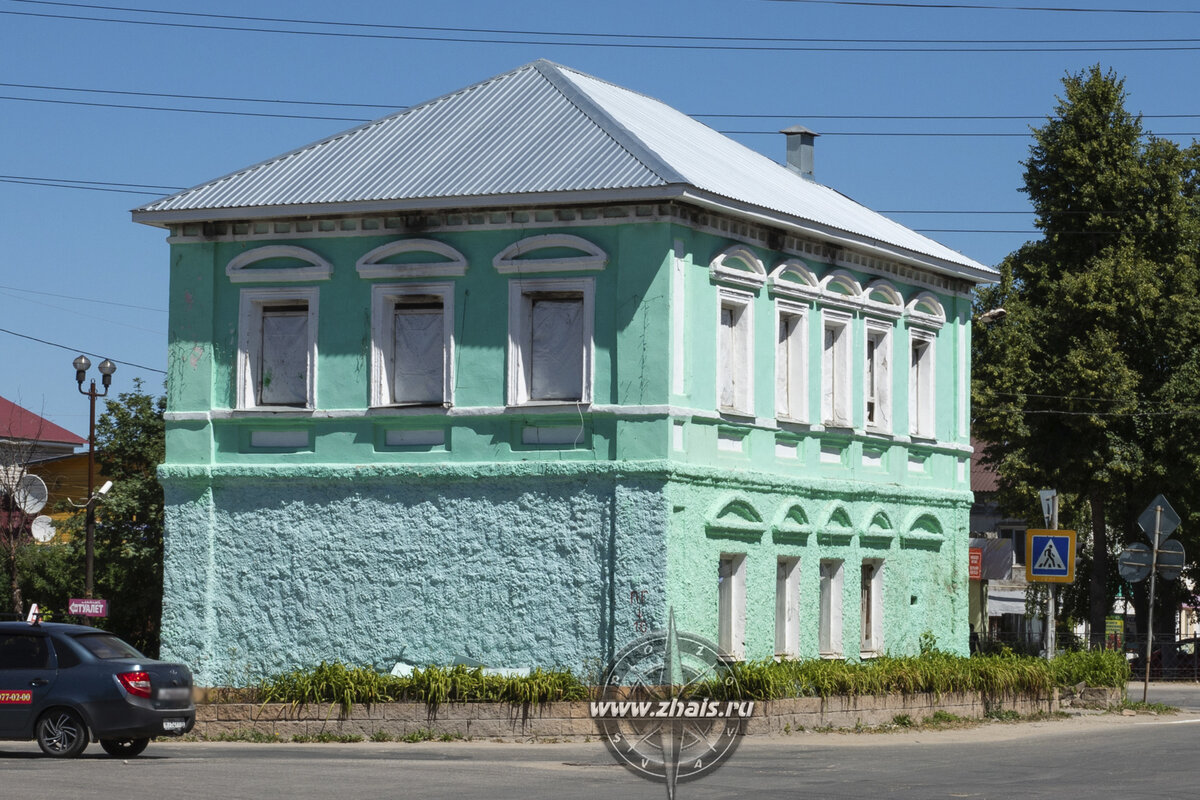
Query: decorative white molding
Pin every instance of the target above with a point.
(891, 307)
(721, 269)
(238, 270)
(794, 279)
(927, 311)
(509, 261)
(372, 265)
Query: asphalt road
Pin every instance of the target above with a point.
(1097, 756)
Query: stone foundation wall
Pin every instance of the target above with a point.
(572, 721)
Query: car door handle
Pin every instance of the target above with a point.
(38, 682)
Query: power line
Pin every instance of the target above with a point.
(979, 7)
(180, 110)
(224, 112)
(849, 47)
(587, 34)
(97, 183)
(84, 299)
(78, 350)
(392, 107)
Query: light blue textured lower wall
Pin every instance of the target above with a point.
(266, 570)
(918, 535)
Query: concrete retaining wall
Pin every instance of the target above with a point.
(571, 721)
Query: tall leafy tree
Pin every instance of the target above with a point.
(1088, 383)
(130, 444)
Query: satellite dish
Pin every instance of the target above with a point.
(31, 494)
(42, 529)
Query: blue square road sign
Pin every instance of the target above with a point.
(1050, 556)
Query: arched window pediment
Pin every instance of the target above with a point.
(403, 259)
(278, 263)
(925, 309)
(794, 278)
(736, 517)
(738, 265)
(559, 252)
(884, 299)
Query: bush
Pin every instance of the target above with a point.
(933, 671)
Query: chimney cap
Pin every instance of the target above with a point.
(799, 129)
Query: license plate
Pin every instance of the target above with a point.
(174, 724)
(174, 693)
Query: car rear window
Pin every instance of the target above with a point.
(105, 645)
(23, 651)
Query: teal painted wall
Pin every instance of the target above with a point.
(513, 568)
(514, 554)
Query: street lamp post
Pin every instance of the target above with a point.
(107, 368)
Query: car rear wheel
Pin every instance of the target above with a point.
(61, 733)
(124, 748)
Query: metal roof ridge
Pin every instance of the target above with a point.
(557, 75)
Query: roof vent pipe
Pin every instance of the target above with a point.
(800, 150)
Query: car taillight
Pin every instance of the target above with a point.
(136, 683)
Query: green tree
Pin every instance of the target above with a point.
(1088, 383)
(130, 444)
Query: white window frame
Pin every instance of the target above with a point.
(252, 303)
(871, 608)
(922, 383)
(791, 361)
(521, 294)
(738, 377)
(835, 369)
(731, 605)
(878, 365)
(787, 607)
(829, 634)
(384, 298)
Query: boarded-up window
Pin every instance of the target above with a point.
(418, 350)
(735, 354)
(921, 388)
(830, 632)
(835, 374)
(871, 608)
(877, 380)
(283, 356)
(787, 607)
(790, 371)
(556, 348)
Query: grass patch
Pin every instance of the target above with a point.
(1003, 715)
(327, 737)
(903, 721)
(244, 735)
(1144, 708)
(348, 686)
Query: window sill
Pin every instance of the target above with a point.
(830, 655)
(277, 411)
(737, 414)
(552, 405)
(410, 408)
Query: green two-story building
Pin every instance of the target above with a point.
(508, 374)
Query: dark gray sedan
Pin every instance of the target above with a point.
(67, 685)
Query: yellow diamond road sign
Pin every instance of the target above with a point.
(1050, 556)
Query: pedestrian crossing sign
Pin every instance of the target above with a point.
(1050, 556)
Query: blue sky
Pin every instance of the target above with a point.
(59, 244)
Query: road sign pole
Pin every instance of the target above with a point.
(1051, 604)
(1150, 608)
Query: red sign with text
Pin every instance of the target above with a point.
(88, 607)
(17, 697)
(976, 564)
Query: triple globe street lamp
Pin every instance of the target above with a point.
(107, 368)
